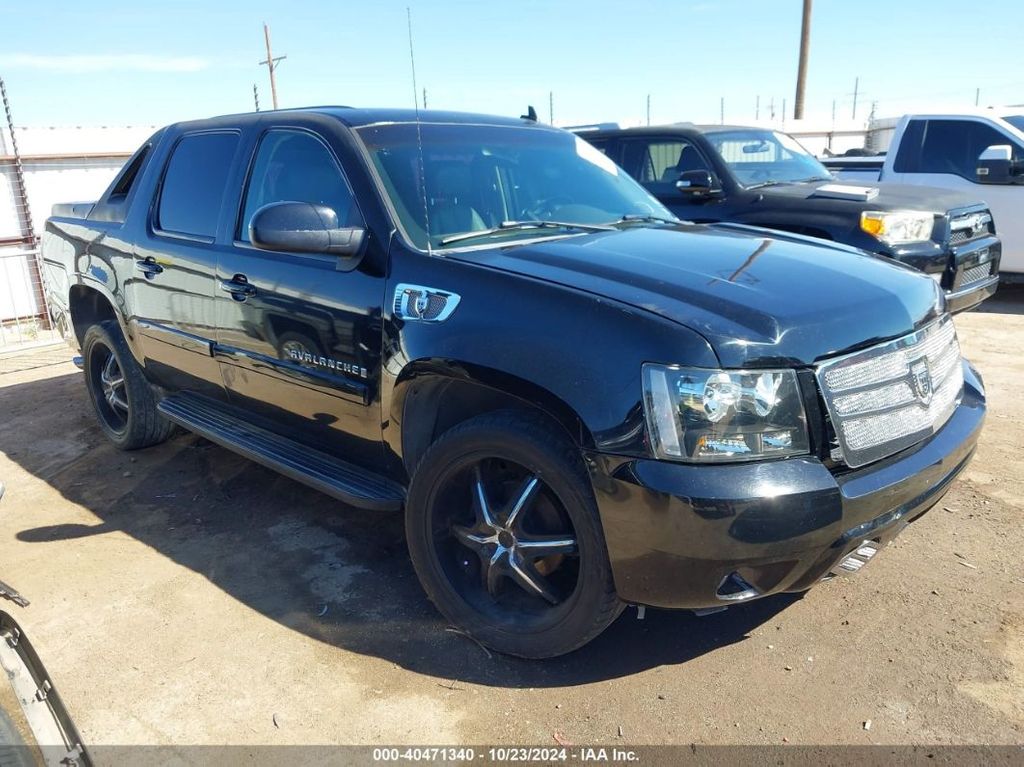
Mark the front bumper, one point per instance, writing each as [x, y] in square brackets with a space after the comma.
[970, 296]
[686, 536]
[956, 268]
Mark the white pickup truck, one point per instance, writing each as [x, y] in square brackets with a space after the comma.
[980, 154]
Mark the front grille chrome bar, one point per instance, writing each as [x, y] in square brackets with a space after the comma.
[891, 396]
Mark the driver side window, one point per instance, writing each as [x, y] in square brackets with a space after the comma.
[295, 166]
[661, 161]
[953, 146]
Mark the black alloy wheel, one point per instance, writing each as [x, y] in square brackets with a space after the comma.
[110, 394]
[124, 401]
[505, 537]
[505, 541]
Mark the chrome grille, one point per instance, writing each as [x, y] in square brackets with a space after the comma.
[884, 399]
[969, 227]
[976, 273]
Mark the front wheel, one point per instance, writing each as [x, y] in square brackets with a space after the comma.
[504, 534]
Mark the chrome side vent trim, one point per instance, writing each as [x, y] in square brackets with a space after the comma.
[422, 304]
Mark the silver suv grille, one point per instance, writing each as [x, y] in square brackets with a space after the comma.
[969, 227]
[884, 399]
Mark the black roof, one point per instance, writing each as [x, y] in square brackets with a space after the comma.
[356, 117]
[681, 128]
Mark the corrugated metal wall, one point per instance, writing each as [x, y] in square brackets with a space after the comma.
[58, 165]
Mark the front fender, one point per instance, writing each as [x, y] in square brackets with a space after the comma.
[574, 354]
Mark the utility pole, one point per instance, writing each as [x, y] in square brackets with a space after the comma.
[551, 107]
[771, 109]
[648, 109]
[721, 111]
[856, 90]
[757, 108]
[271, 63]
[256, 97]
[783, 110]
[801, 71]
[424, 98]
[977, 96]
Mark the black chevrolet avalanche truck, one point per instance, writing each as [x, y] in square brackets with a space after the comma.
[579, 401]
[712, 173]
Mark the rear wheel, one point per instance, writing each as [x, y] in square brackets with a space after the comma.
[121, 396]
[504, 534]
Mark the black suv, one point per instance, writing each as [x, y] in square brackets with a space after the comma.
[759, 177]
[579, 401]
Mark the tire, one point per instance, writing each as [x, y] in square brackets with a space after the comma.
[121, 396]
[542, 586]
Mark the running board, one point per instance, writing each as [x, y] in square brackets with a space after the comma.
[323, 472]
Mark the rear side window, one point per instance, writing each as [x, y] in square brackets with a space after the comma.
[193, 186]
[113, 206]
[294, 166]
[124, 182]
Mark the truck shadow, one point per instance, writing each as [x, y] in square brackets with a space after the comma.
[1009, 299]
[339, 575]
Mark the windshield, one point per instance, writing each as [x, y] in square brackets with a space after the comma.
[482, 178]
[1017, 121]
[762, 157]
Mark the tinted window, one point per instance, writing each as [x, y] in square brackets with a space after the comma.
[292, 166]
[124, 182]
[194, 183]
[662, 161]
[908, 158]
[953, 146]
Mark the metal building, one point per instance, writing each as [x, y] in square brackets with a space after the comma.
[40, 166]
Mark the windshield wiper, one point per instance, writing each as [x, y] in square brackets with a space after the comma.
[812, 178]
[511, 226]
[768, 183]
[634, 217]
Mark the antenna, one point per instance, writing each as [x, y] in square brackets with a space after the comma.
[419, 133]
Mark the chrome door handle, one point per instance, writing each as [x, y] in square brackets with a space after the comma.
[148, 266]
[239, 287]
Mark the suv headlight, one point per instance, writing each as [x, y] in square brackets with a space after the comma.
[700, 415]
[898, 227]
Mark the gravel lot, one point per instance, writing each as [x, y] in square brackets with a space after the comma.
[183, 595]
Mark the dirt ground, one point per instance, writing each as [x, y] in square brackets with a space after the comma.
[183, 595]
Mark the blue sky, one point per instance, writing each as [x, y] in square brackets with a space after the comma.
[119, 62]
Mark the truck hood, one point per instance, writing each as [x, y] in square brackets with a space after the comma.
[759, 299]
[890, 197]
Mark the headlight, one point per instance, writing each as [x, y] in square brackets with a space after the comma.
[898, 227]
[700, 415]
